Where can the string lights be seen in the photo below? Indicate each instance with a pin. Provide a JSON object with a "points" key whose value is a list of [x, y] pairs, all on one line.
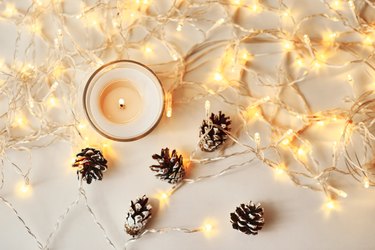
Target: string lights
{"points": [[33, 86]]}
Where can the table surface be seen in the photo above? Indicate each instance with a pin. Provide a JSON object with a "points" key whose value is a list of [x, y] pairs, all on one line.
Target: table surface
{"points": [[295, 218]]}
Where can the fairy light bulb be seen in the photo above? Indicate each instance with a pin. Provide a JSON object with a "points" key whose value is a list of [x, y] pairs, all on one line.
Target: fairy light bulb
{"points": [[285, 142], [81, 126], [179, 27], [301, 151], [36, 27], [300, 62], [207, 227], [52, 101], [279, 169], [20, 120], [351, 4], [330, 204], [368, 40], [218, 76], [25, 188], [237, 3], [336, 4], [288, 45], [168, 103], [317, 65], [207, 108], [257, 139], [148, 50], [286, 13], [366, 182], [164, 196], [338, 192], [255, 7], [329, 38], [10, 10], [320, 123]]}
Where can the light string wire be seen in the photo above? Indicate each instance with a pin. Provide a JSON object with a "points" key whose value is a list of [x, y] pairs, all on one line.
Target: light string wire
{"points": [[160, 231], [33, 87]]}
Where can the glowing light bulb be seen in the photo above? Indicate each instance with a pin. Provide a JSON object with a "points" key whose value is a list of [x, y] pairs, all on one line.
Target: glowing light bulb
{"points": [[366, 182], [300, 62], [333, 35], [164, 196], [317, 65], [36, 27], [207, 227], [148, 50], [301, 151], [336, 4], [288, 45], [280, 169], [10, 10], [255, 8], [168, 103], [52, 101], [179, 27], [285, 142], [330, 204], [286, 13], [257, 138], [337, 191], [245, 56], [58, 70], [81, 126], [368, 40], [320, 123], [218, 76], [20, 121], [25, 188], [351, 4]]}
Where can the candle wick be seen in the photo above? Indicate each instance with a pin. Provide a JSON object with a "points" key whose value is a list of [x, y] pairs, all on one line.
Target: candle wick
{"points": [[121, 103]]}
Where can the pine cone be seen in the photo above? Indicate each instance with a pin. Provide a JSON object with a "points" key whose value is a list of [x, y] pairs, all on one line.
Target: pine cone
{"points": [[248, 218], [138, 215], [170, 168], [213, 132], [91, 164]]}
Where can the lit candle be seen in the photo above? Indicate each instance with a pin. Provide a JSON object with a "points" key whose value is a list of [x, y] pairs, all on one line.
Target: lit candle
{"points": [[123, 100], [112, 102]]}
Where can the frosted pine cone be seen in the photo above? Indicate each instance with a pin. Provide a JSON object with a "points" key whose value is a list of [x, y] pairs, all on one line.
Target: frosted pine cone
{"points": [[91, 164], [248, 218], [170, 168], [213, 132], [138, 215]]}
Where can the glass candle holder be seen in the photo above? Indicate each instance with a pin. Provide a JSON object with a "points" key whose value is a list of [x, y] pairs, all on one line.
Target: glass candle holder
{"points": [[123, 100]]}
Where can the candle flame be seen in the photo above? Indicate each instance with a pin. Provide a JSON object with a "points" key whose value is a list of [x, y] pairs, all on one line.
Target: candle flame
{"points": [[121, 103]]}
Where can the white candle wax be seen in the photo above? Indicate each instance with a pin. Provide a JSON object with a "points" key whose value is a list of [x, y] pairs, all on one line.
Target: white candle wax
{"points": [[120, 102]]}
